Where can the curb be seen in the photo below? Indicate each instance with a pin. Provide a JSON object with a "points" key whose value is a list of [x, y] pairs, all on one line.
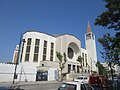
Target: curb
{"points": [[35, 83], [18, 84]]}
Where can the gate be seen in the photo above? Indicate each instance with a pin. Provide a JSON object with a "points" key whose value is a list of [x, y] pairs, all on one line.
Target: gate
{"points": [[42, 76]]}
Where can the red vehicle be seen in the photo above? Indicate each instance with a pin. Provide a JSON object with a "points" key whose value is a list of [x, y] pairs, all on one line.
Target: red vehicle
{"points": [[98, 81]]}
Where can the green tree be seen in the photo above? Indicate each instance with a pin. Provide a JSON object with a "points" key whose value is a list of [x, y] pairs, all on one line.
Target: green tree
{"points": [[111, 17], [101, 70], [110, 53], [116, 46], [80, 60], [62, 60]]}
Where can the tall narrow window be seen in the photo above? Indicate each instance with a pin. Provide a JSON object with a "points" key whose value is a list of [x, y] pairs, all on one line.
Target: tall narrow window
{"points": [[28, 49], [36, 50], [78, 69], [86, 59], [93, 36], [83, 58], [44, 50], [22, 50], [74, 68], [69, 68], [51, 51], [70, 52]]}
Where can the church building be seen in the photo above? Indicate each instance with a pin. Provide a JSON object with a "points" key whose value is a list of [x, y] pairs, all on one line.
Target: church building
{"points": [[39, 51]]}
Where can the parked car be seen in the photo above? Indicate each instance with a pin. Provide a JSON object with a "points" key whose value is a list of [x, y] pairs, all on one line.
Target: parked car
{"points": [[75, 86], [84, 79], [115, 77]]}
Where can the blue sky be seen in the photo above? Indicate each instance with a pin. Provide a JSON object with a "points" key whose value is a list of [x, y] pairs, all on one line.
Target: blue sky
{"points": [[49, 16]]}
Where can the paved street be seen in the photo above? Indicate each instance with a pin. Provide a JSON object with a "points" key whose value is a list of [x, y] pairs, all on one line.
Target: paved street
{"points": [[30, 86], [43, 85]]}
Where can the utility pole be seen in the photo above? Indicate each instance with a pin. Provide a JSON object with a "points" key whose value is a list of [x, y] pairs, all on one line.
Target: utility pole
{"points": [[91, 65], [15, 75]]}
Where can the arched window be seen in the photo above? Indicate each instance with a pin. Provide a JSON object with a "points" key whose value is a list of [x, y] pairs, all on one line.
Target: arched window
{"points": [[70, 53]]}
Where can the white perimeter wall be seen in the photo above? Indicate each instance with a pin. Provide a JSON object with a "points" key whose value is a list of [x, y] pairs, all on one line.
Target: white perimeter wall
{"points": [[6, 72], [24, 72]]}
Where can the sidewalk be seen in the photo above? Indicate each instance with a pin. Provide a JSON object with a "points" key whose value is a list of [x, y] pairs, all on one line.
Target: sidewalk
{"points": [[17, 84]]}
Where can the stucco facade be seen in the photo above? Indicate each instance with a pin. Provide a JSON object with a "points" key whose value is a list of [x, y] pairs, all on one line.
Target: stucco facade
{"points": [[39, 51]]}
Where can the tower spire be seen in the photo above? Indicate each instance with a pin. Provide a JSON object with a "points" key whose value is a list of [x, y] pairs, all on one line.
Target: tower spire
{"points": [[88, 28]]}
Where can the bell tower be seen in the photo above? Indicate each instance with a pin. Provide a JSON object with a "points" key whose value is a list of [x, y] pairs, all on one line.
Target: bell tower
{"points": [[91, 48]]}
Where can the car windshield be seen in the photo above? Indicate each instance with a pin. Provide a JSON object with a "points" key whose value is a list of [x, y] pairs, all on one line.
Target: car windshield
{"points": [[85, 87], [66, 86], [115, 76], [85, 78], [79, 78]]}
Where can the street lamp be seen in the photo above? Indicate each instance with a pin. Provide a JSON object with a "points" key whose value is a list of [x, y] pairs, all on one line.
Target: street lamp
{"points": [[18, 55]]}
